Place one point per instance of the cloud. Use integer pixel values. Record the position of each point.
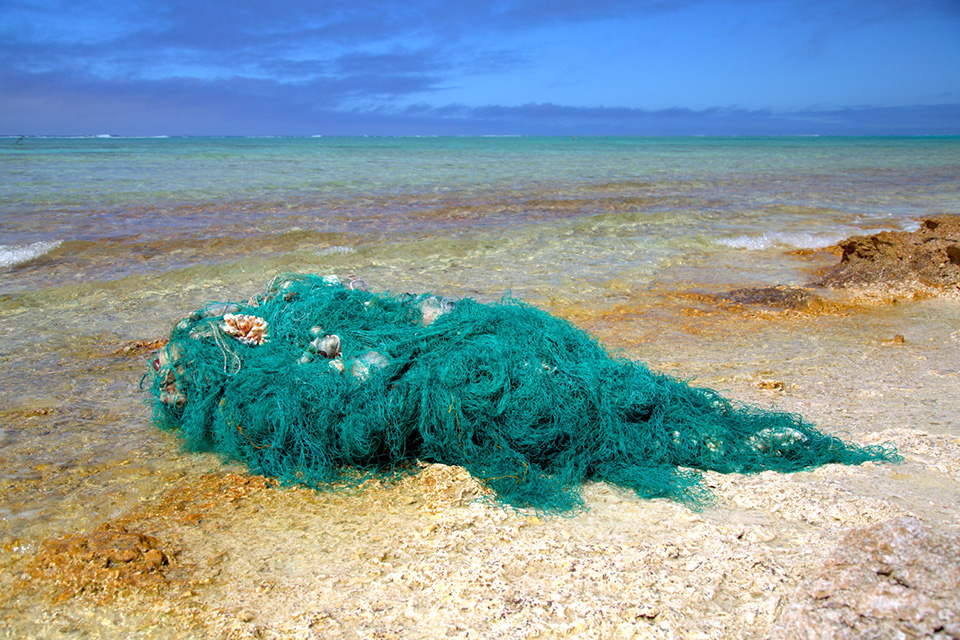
(554, 119)
(57, 104)
(315, 66)
(124, 37)
(344, 53)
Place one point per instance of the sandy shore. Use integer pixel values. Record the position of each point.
(839, 552)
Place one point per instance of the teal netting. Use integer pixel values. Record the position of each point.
(317, 382)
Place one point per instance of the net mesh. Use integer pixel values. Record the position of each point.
(320, 382)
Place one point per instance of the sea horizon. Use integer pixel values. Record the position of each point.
(481, 135)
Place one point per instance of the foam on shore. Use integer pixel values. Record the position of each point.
(12, 255)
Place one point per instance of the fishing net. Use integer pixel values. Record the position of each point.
(320, 382)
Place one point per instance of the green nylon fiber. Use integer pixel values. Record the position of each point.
(530, 405)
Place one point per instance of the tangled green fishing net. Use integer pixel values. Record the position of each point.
(319, 382)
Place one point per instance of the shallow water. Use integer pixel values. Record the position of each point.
(113, 240)
(108, 241)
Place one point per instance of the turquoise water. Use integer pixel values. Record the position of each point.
(99, 209)
(106, 241)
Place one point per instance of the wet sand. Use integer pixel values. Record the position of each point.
(170, 544)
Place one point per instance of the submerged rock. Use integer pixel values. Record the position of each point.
(778, 297)
(101, 562)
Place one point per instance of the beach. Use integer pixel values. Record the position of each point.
(109, 529)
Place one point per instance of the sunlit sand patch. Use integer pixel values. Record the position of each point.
(890, 579)
(420, 555)
(815, 497)
(936, 452)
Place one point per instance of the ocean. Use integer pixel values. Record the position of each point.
(489, 214)
(106, 242)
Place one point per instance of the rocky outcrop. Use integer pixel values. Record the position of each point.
(894, 579)
(928, 257)
(101, 563)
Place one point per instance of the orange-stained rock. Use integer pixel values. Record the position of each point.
(929, 256)
(101, 562)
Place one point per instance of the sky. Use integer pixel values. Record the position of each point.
(479, 67)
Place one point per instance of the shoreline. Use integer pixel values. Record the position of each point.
(214, 552)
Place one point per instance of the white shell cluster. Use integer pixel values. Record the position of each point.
(329, 346)
(776, 440)
(432, 307)
(326, 346)
(251, 330)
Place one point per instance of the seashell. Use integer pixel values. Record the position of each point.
(331, 281)
(174, 397)
(777, 440)
(316, 331)
(184, 324)
(201, 331)
(432, 307)
(360, 371)
(170, 392)
(365, 365)
(166, 356)
(327, 346)
(250, 330)
(357, 283)
(336, 364)
(305, 358)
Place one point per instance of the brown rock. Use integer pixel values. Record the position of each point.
(154, 559)
(770, 385)
(897, 578)
(778, 297)
(929, 256)
(140, 347)
(117, 556)
(100, 562)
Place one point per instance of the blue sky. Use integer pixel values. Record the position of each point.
(453, 67)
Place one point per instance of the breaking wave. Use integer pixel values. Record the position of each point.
(772, 239)
(797, 240)
(11, 255)
(336, 249)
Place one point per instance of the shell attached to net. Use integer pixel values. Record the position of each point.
(432, 307)
(327, 346)
(251, 330)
